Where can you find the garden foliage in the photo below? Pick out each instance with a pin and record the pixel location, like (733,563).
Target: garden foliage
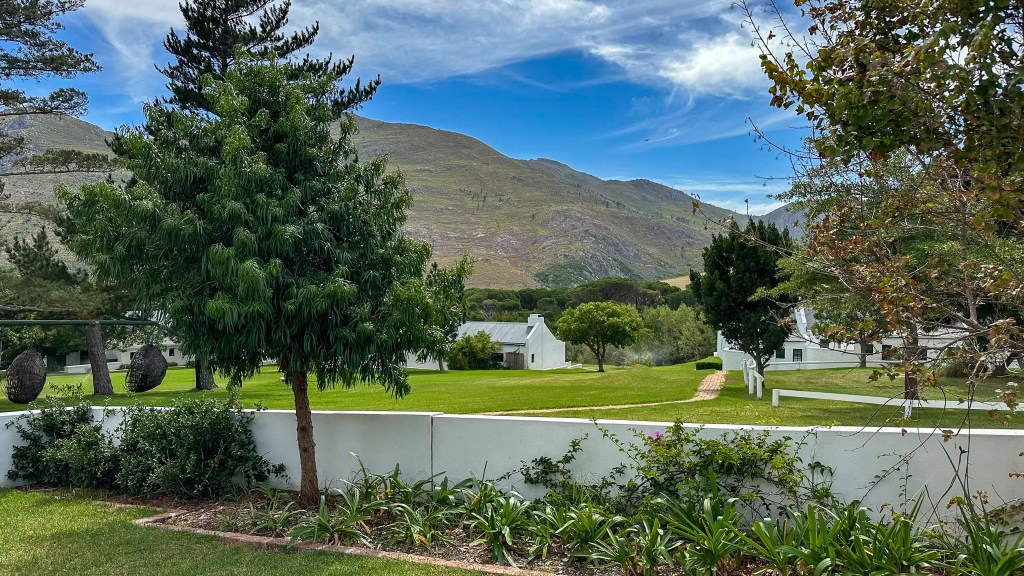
(197,448)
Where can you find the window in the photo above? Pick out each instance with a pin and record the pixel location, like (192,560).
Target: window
(798,355)
(131,356)
(781,353)
(498,358)
(532,358)
(888,352)
(170,352)
(867,348)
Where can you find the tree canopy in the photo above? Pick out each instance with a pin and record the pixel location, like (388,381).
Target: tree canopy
(217,31)
(30,50)
(738,266)
(290,249)
(598,325)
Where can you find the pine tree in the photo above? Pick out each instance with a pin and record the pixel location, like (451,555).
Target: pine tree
(738,265)
(217,30)
(29,50)
(216,33)
(291,249)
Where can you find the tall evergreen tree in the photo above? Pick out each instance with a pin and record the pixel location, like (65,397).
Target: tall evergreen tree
(737,265)
(41,286)
(217,30)
(30,50)
(291,250)
(216,33)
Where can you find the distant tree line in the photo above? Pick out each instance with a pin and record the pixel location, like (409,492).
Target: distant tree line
(506,305)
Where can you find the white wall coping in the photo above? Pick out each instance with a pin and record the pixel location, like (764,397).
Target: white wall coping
(883,401)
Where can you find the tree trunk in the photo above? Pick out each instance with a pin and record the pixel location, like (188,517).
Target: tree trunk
(599,354)
(204,375)
(440,363)
(101,385)
(912,355)
(309,491)
(759,364)
(862,362)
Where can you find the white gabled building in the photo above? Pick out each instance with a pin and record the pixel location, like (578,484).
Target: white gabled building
(803,350)
(529,345)
(78,362)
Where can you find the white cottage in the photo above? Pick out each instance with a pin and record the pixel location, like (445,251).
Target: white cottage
(78,362)
(803,350)
(526,345)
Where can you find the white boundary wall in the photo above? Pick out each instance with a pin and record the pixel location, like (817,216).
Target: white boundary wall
(461,446)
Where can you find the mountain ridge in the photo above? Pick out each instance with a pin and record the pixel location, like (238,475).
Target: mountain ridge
(525,222)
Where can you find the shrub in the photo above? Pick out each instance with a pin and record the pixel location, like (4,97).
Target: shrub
(710,363)
(757,471)
(197,448)
(473,352)
(62,444)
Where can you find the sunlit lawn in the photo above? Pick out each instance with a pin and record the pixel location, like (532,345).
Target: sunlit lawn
(456,392)
(735,406)
(54,535)
(470,392)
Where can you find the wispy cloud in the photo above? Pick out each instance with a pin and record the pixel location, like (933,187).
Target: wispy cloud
(653,41)
(749,196)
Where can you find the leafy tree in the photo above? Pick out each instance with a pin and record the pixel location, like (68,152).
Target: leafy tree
(42,287)
(473,352)
(622,290)
(30,51)
(675,336)
(446,311)
(217,31)
(299,248)
(737,265)
(935,85)
(598,325)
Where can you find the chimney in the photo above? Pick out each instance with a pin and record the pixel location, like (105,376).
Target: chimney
(534,319)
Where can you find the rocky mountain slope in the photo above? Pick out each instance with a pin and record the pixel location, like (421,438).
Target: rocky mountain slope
(525,222)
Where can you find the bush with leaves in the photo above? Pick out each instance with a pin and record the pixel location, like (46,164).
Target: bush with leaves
(473,352)
(197,448)
(63,445)
(758,471)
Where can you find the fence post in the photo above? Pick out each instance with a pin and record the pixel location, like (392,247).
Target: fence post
(775,398)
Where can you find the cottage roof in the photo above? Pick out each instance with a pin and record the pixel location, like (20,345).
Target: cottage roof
(503,332)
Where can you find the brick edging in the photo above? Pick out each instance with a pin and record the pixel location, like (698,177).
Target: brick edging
(277,543)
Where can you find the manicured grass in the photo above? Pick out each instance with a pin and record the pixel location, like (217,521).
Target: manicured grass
(454,392)
(58,535)
(470,392)
(735,406)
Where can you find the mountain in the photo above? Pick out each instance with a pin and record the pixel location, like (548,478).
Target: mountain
(525,222)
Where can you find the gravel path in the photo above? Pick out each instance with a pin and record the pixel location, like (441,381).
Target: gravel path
(709,388)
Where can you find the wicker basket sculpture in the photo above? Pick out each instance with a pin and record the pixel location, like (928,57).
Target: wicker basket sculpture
(26,377)
(147,369)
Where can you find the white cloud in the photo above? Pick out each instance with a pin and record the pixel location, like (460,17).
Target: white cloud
(724,65)
(423,40)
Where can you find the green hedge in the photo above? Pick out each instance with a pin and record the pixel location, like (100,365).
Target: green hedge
(709,363)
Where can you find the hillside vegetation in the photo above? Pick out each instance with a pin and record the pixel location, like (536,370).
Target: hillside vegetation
(526,222)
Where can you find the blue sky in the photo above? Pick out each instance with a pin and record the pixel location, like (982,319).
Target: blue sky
(657,89)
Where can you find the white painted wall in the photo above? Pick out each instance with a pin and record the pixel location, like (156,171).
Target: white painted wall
(544,351)
(461,446)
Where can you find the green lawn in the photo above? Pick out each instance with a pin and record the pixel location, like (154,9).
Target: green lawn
(735,406)
(55,535)
(454,392)
(469,392)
